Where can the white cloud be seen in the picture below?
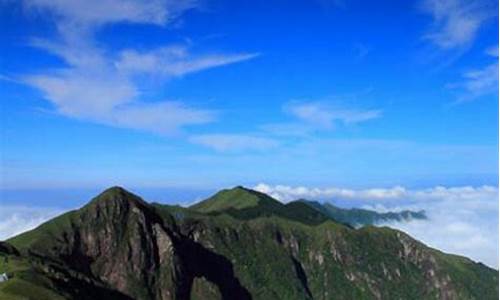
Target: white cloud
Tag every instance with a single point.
(81, 93)
(287, 129)
(456, 22)
(100, 86)
(313, 116)
(456, 25)
(162, 117)
(106, 97)
(17, 219)
(174, 61)
(325, 116)
(234, 142)
(98, 12)
(473, 237)
(288, 193)
(482, 81)
(461, 220)
(492, 51)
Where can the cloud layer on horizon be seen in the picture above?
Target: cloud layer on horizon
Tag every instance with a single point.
(461, 220)
(15, 219)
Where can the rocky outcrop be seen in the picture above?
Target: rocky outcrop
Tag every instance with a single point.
(120, 247)
(118, 240)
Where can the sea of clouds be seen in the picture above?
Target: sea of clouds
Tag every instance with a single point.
(15, 219)
(461, 220)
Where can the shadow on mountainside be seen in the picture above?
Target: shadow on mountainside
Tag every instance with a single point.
(201, 262)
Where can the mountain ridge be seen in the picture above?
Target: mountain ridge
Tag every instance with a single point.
(238, 197)
(118, 246)
(245, 204)
(360, 217)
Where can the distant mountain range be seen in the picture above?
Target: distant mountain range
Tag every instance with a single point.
(238, 244)
(357, 217)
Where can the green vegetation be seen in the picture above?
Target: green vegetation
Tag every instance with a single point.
(23, 280)
(45, 232)
(236, 198)
(361, 217)
(238, 244)
(246, 204)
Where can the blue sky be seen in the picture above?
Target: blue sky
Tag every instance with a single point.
(387, 105)
(214, 93)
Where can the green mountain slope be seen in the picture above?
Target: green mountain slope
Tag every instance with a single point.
(235, 198)
(120, 247)
(246, 204)
(360, 217)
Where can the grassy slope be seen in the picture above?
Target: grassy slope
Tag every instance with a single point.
(51, 235)
(46, 232)
(260, 259)
(246, 204)
(53, 230)
(269, 252)
(24, 281)
(236, 198)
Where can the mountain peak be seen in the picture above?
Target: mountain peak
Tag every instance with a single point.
(244, 204)
(119, 247)
(115, 196)
(113, 191)
(240, 189)
(238, 197)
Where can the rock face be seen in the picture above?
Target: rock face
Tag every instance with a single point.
(120, 247)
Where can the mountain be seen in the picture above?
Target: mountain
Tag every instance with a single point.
(360, 217)
(120, 247)
(235, 198)
(246, 204)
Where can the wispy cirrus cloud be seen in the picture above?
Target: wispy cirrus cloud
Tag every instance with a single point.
(98, 12)
(163, 117)
(310, 116)
(288, 129)
(174, 61)
(461, 219)
(325, 116)
(456, 22)
(492, 51)
(234, 142)
(480, 81)
(100, 86)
